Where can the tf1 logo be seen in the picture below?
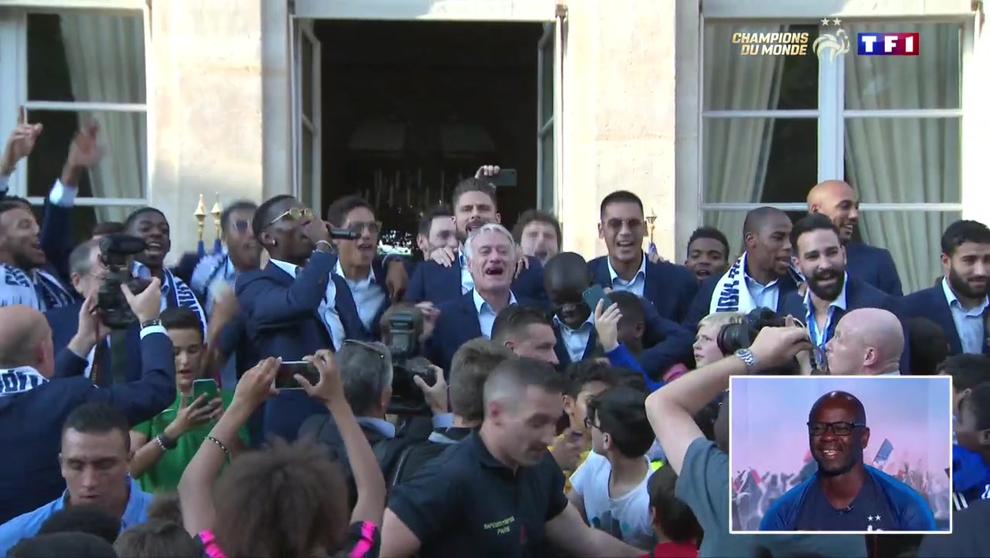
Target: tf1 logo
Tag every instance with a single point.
(888, 44)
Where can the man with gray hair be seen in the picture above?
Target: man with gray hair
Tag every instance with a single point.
(491, 259)
(867, 341)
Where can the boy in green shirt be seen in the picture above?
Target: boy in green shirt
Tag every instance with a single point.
(166, 444)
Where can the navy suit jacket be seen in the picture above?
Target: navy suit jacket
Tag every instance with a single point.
(64, 323)
(347, 308)
(31, 422)
(670, 287)
(438, 284)
(665, 344)
(281, 319)
(703, 300)
(931, 303)
(859, 294)
(873, 265)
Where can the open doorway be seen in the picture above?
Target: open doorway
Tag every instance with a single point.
(410, 108)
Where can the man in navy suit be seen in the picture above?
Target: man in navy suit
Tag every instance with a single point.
(832, 293)
(437, 231)
(87, 273)
(670, 287)
(839, 202)
(491, 259)
(288, 307)
(444, 275)
(363, 298)
(666, 343)
(761, 277)
(958, 303)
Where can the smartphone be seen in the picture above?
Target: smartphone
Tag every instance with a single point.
(285, 377)
(505, 178)
(593, 294)
(205, 387)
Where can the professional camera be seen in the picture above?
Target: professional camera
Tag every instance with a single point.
(404, 327)
(733, 337)
(116, 251)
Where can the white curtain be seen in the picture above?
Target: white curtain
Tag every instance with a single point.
(906, 160)
(736, 150)
(105, 55)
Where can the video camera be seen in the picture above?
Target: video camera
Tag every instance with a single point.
(116, 251)
(733, 337)
(403, 342)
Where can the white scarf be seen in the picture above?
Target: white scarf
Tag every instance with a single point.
(20, 287)
(731, 292)
(15, 381)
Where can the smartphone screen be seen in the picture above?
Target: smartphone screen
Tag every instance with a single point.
(205, 387)
(505, 178)
(285, 378)
(593, 294)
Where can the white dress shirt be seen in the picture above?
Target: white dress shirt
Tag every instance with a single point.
(328, 307)
(576, 340)
(969, 323)
(367, 293)
(765, 296)
(467, 282)
(635, 286)
(821, 338)
(487, 314)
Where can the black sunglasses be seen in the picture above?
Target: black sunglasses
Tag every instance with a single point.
(837, 428)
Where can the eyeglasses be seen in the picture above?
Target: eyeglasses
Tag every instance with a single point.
(374, 227)
(293, 213)
(837, 428)
(616, 224)
(588, 425)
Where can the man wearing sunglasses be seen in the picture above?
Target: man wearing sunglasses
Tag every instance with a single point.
(845, 494)
(215, 273)
(289, 308)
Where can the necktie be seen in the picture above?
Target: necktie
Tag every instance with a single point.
(119, 364)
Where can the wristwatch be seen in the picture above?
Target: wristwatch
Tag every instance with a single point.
(320, 243)
(748, 359)
(165, 443)
(151, 323)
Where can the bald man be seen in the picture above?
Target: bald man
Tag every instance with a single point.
(839, 202)
(845, 494)
(38, 391)
(867, 341)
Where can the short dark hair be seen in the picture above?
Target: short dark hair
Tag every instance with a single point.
(619, 196)
(338, 210)
(133, 217)
(621, 413)
(630, 305)
(967, 370)
(239, 205)
(262, 216)
(963, 231)
(165, 507)
(108, 227)
(517, 374)
(514, 319)
(98, 418)
(85, 518)
(928, 345)
(473, 185)
(979, 401)
(675, 518)
(181, 318)
(536, 216)
(157, 539)
(583, 372)
(79, 257)
(809, 223)
(426, 223)
(756, 218)
(77, 545)
(469, 369)
(712, 233)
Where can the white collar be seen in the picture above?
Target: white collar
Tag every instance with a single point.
(839, 302)
(613, 275)
(339, 270)
(480, 303)
(589, 322)
(285, 266)
(950, 297)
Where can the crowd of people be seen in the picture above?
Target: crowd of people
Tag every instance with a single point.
(246, 403)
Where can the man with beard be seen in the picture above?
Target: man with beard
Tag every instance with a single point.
(622, 226)
(959, 302)
(215, 274)
(761, 277)
(151, 226)
(707, 253)
(538, 234)
(839, 202)
(845, 494)
(832, 292)
(444, 275)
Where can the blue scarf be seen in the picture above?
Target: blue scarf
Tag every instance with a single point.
(36, 288)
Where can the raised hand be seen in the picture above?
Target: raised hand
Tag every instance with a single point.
(330, 388)
(444, 256)
(147, 304)
(20, 143)
(83, 154)
(607, 325)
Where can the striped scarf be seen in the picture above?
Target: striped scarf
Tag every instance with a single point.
(36, 288)
(175, 292)
(212, 274)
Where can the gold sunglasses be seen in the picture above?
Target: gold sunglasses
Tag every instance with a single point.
(294, 213)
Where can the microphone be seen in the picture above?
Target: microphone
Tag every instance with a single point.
(342, 234)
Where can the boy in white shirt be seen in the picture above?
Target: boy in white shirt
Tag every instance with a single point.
(610, 487)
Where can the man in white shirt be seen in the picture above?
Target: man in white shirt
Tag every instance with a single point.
(867, 341)
(356, 265)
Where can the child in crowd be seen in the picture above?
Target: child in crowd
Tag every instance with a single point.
(610, 486)
(586, 379)
(677, 531)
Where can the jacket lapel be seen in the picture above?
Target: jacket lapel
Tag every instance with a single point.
(600, 272)
(560, 349)
(450, 278)
(347, 309)
(592, 344)
(471, 323)
(943, 316)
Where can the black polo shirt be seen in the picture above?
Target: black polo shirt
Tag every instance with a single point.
(466, 503)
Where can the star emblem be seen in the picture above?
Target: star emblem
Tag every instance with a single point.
(836, 21)
(824, 22)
